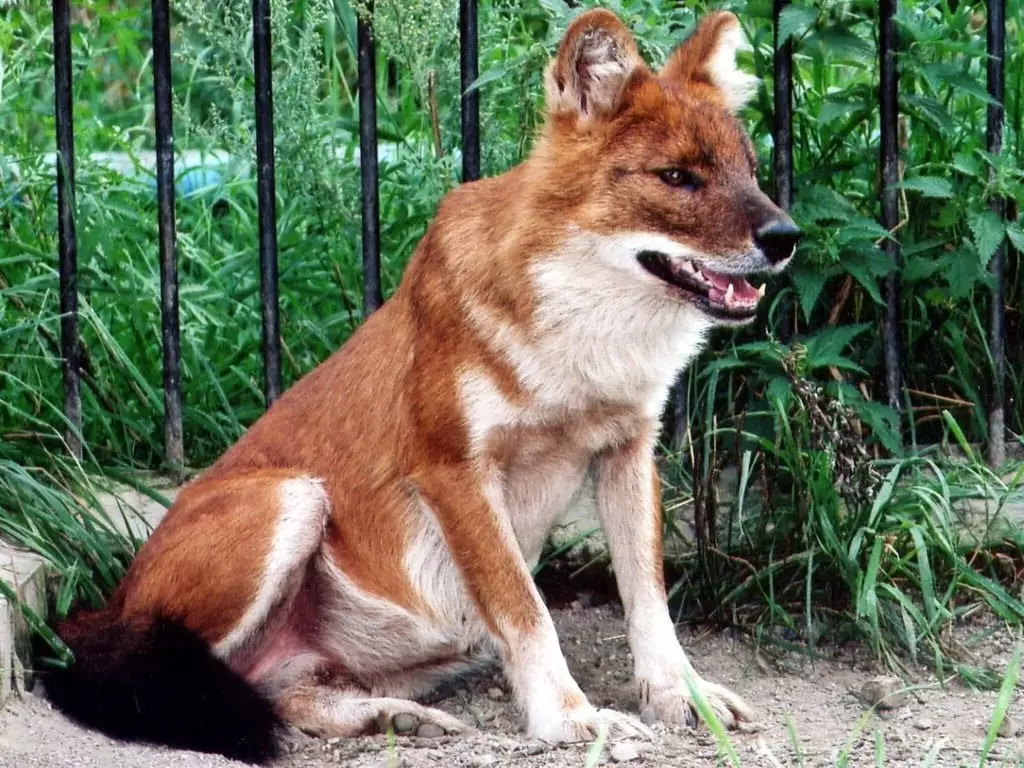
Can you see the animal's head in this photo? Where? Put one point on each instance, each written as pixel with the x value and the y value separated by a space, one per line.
pixel 658 163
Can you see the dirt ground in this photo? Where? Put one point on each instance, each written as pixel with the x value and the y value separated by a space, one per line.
pixel 819 699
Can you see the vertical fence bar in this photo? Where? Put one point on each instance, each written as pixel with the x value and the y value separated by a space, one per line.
pixel 469 62
pixel 267 199
pixel 889 107
pixel 783 128
pixel 367 60
pixel 994 140
pixel 67 242
pixel 782 134
pixel 169 322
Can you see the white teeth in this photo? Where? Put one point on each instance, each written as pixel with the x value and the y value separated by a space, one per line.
pixel 760 291
pixel 729 295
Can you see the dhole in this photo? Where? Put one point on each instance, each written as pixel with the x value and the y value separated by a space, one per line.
pixel 372 534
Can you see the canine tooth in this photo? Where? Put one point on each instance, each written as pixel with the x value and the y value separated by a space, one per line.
pixel 760 291
pixel 729 294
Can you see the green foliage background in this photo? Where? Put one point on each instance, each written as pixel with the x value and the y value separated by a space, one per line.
pixel 948 238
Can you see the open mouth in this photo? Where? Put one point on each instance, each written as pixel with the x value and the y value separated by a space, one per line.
pixel 718 294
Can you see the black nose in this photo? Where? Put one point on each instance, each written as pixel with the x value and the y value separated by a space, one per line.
pixel 778 239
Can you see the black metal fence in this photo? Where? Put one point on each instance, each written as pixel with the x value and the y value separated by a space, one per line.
pixel 468 43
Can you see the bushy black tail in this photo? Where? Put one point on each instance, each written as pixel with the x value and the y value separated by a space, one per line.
pixel 161 684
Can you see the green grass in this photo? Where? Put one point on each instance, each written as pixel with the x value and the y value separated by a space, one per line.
pixel 846 520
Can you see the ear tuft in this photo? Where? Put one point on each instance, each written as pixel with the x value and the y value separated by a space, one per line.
pixel 595 58
pixel 709 56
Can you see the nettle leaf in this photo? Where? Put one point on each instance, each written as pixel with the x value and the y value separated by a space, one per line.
pixel 883 421
pixel 795 20
pixel 918 268
pixel 929 186
pixel 826 346
pixel 809 284
pixel 988 230
pixel 843 43
pixel 817 204
pixel 966 164
pixel 930 111
pixel 961 269
pixel 860 228
pixel 1016 235
pixel 866 265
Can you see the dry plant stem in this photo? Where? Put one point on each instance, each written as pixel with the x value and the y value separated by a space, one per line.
pixel 435 123
pixel 942 398
pixel 353 322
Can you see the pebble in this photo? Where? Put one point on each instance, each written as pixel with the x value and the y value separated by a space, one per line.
pixel 405 723
pixel 624 752
pixel 480 761
pixel 647 717
pixel 495 693
pixel 924 724
pixel 1008 728
pixel 883 692
pixel 430 731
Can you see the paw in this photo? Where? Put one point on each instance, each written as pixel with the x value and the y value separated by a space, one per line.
pixel 675 704
pixel 584 723
pixel 411 719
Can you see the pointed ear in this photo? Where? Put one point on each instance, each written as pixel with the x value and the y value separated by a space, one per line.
pixel 595 59
pixel 708 56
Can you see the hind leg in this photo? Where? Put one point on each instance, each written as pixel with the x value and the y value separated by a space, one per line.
pixel 230 559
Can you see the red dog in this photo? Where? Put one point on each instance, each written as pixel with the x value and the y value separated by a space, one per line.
pixel 372 534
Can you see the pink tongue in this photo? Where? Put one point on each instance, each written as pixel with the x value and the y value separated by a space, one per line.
pixel 743 292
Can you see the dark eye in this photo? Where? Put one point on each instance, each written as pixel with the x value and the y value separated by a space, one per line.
pixel 677 177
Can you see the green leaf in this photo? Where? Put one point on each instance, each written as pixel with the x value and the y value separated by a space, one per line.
pixel 961 270
pixel 1016 235
pixel 929 186
pixel 830 342
pixel 866 265
pixel 930 111
pixel 966 164
pixel 988 230
pixel 918 268
pixel 492 74
pixel 794 21
pixel 557 8
pixel 809 284
pixel 778 389
pixel 843 43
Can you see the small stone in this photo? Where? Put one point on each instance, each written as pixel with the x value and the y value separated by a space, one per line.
pixel 480 761
pixel 883 693
pixel 923 724
pixel 647 717
pixel 624 752
pixel 404 722
pixel 495 693
pixel 1008 728
pixel 430 731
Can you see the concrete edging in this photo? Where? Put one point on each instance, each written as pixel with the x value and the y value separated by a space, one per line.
pixel 27 575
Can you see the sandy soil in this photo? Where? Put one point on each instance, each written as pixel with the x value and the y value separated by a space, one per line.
pixel 820 699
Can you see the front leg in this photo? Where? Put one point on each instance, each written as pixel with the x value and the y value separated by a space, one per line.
pixel 467 500
pixel 629 504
